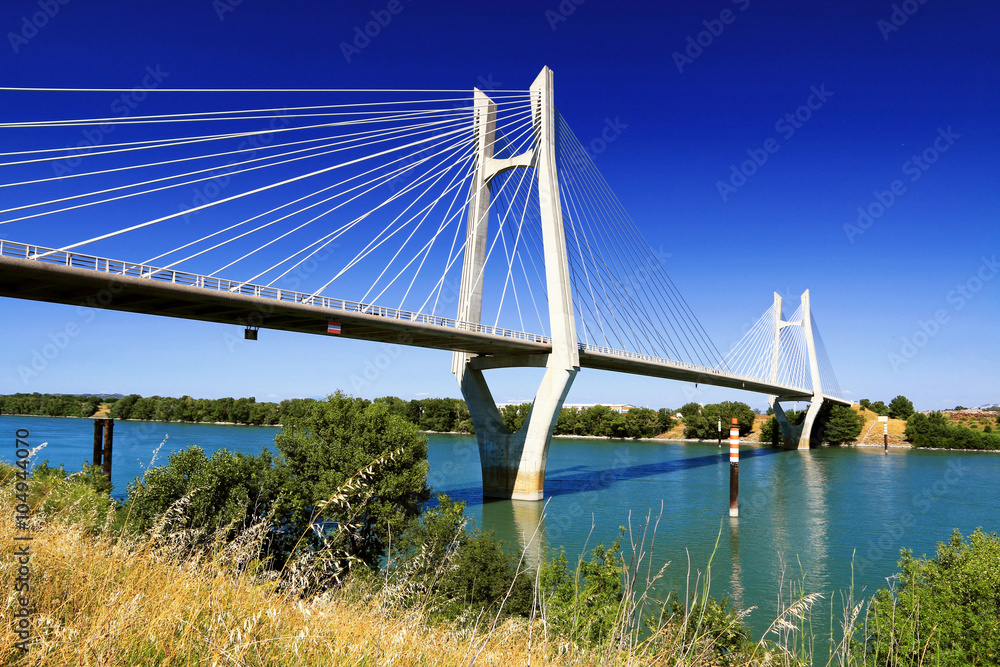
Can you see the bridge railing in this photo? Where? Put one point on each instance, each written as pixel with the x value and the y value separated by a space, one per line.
pixel 187 279
pixel 704 370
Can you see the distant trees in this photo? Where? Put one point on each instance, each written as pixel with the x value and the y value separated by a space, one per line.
pixel 442 415
pixel 703 423
pixel 770 432
pixel 879 408
pixel 439 415
pixel 665 418
pixel 514 416
pixel 933 430
pixel 49 405
pixel 900 407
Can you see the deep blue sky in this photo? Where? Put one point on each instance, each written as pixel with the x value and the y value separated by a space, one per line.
pixel 892 93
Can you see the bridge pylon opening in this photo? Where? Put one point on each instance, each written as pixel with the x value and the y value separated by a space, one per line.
pixel 806 433
pixel 513 463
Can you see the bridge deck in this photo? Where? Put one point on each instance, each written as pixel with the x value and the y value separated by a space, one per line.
pixel 41 274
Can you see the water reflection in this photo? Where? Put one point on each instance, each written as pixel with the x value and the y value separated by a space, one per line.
pixel 520 524
pixel 736 574
pixel 816 480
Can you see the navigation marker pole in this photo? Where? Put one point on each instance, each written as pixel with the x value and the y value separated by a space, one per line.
pixel 734 469
pixel 885 433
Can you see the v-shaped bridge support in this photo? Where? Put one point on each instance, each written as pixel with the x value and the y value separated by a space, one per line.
pixel 514 463
pixel 806 433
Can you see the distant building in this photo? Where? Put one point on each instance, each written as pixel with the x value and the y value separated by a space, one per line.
pixel 620 408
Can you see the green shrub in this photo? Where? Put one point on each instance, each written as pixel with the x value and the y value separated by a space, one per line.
pixel 227 491
pixel 459 570
pixel 350 471
pixel 933 430
pixel 843 425
pixel 80 497
pixel 944 611
pixel 583 604
pixel 770 432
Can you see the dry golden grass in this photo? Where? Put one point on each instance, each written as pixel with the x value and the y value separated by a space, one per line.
pixel 874 430
pixel 99 601
pixel 104 599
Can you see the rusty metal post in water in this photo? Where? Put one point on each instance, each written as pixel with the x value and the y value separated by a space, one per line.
pixel 109 428
pixel 98 441
pixel 103 441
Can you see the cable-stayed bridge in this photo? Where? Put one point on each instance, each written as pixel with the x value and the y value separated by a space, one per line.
pixel 466 221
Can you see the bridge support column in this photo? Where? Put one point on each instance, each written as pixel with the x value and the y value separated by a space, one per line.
pixel 514 463
pixel 805 434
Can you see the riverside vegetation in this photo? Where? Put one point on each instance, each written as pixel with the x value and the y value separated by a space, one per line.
pixel 441 415
pixel 328 553
pixel 839 425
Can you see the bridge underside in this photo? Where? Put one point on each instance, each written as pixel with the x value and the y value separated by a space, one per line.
pixel 38 281
pixel 54 283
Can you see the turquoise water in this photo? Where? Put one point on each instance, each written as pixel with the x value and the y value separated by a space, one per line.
pixel 804 516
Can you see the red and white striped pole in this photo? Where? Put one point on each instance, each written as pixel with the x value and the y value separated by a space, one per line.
pixel 734 469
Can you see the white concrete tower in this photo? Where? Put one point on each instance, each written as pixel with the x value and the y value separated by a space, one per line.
pixel 514 463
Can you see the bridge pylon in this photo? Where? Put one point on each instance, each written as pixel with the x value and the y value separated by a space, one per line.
pixel 513 463
pixel 805 434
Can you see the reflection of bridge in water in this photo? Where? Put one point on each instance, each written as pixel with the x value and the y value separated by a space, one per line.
pixel 388 180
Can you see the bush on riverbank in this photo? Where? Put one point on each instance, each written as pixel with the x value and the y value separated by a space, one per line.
pixel 843 425
pixel 933 430
pixel 943 610
pixel 320 494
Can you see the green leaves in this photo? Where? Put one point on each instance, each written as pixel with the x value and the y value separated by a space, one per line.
pixel 703 423
pixel 944 610
pixel 843 425
pixel 331 442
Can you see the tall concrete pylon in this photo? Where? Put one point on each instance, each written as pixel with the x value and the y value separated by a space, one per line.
pixel 798 435
pixel 514 462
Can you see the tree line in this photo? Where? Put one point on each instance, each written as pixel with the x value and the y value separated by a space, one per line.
pixel 49 405
pixel 933 430
pixel 439 415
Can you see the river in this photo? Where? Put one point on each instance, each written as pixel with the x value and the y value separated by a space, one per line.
pixel 816 518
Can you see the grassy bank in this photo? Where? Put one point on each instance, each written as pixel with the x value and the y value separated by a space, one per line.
pixel 103 596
